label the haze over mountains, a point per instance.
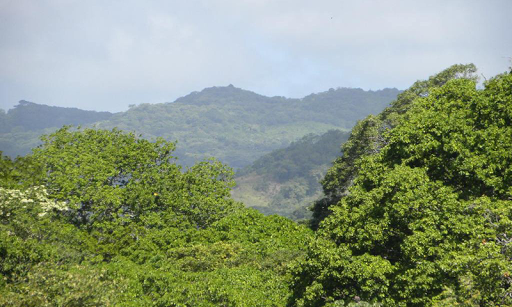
(234, 125)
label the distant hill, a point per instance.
(32, 116)
(286, 181)
(231, 124)
(238, 126)
(21, 126)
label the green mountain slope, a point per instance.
(286, 181)
(21, 126)
(238, 126)
(234, 125)
(32, 116)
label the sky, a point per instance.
(105, 55)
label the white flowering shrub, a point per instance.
(34, 199)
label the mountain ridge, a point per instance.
(235, 125)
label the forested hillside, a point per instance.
(417, 211)
(29, 116)
(231, 124)
(21, 127)
(238, 126)
(286, 181)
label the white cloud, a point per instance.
(108, 54)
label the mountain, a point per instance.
(231, 124)
(286, 181)
(238, 126)
(21, 126)
(33, 116)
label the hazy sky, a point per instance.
(105, 55)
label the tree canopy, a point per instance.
(110, 219)
(368, 136)
(425, 220)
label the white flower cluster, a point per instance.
(11, 200)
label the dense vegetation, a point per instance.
(368, 137)
(233, 125)
(96, 217)
(423, 216)
(286, 181)
(416, 212)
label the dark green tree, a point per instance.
(369, 136)
(426, 220)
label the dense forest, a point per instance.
(97, 217)
(416, 211)
(233, 125)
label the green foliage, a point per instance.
(29, 234)
(418, 212)
(240, 260)
(426, 220)
(118, 223)
(461, 136)
(368, 137)
(76, 285)
(19, 172)
(114, 177)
